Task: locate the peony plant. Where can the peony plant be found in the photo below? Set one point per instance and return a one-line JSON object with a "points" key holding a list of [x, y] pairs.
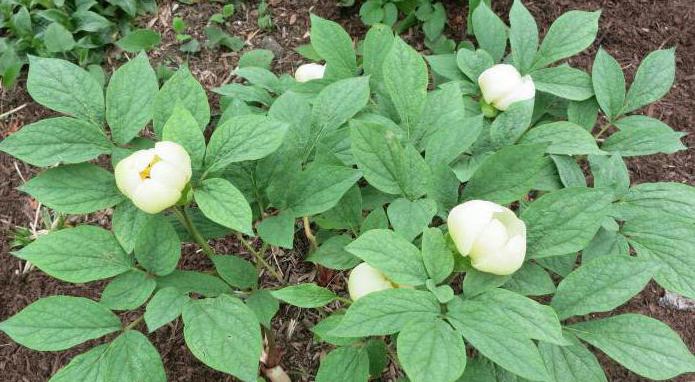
{"points": [[459, 209]]}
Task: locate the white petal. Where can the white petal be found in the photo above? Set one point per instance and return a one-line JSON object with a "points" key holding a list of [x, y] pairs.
{"points": [[466, 221], [490, 240], [168, 175], [505, 261], [498, 81], [365, 279], [127, 176], [176, 155], [140, 159], [308, 72], [525, 90], [153, 197]]}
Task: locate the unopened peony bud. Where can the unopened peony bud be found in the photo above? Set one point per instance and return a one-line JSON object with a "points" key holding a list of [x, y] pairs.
{"points": [[153, 179], [308, 72], [490, 234], [365, 279], [502, 85]]}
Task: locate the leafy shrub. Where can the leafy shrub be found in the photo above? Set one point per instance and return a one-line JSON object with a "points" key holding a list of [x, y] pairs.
{"points": [[77, 30], [376, 162]]}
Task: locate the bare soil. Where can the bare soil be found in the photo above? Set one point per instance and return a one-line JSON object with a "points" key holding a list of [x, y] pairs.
{"points": [[629, 29]]}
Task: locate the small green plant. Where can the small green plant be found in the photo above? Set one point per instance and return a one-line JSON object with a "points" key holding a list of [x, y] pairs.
{"points": [[61, 28], [452, 204], [265, 20], [430, 14]]}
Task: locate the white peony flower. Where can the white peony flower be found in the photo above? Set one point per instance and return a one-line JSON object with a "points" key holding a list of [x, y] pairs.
{"points": [[492, 235], [308, 72], [502, 85], [153, 179], [365, 279]]}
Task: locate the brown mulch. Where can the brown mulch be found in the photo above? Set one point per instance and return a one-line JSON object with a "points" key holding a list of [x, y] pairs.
{"points": [[628, 29]]}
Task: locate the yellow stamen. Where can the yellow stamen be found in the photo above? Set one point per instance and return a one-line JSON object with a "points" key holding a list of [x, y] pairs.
{"points": [[145, 174]]}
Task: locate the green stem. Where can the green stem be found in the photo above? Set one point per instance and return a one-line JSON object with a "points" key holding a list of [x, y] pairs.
{"points": [[344, 300], [309, 235], [406, 23], [259, 257], [134, 323], [182, 215], [603, 130]]}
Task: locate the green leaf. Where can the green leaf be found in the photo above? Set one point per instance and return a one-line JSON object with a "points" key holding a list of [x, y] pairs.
{"points": [[58, 39], [261, 58], [410, 218], [60, 322], [264, 305], [390, 253], [88, 366], [669, 242], [605, 243], [601, 285], [128, 291], [571, 33], [490, 31], [224, 204], [443, 130], [477, 282], [259, 76], [249, 94], [445, 66], [431, 351], [642, 344], [322, 329], [66, 88], [497, 338], [666, 198], [208, 325], [378, 356], [334, 45], [183, 129], [564, 221], [563, 138], [387, 165], [305, 295], [196, 282], [531, 280], [386, 312], [78, 255], [507, 175], [642, 135], [523, 36], [377, 45], [126, 222], [57, 140], [510, 125], [181, 89], [158, 247], [244, 138], [347, 214], [653, 79], [609, 83], [319, 187], [332, 254], [165, 306], [130, 98], [74, 189], [570, 172], [583, 113], [278, 230], [436, 255], [371, 12], [571, 363], [473, 63], [564, 81], [405, 81], [537, 321], [344, 364], [131, 357], [335, 105], [139, 39], [610, 172], [236, 271]]}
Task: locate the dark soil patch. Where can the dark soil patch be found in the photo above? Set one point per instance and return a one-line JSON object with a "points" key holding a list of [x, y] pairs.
{"points": [[628, 29]]}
